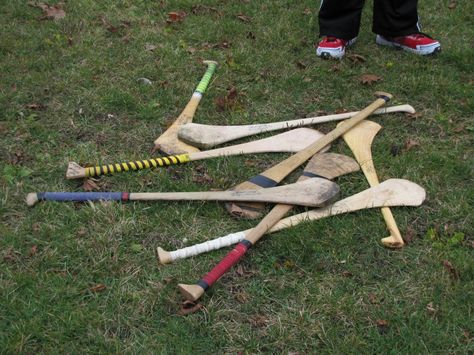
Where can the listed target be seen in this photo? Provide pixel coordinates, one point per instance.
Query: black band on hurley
(263, 181)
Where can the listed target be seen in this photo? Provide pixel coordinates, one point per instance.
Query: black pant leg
(340, 18)
(394, 18)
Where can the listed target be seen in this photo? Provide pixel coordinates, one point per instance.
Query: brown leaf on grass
(98, 288)
(259, 321)
(300, 65)
(242, 297)
(243, 18)
(251, 35)
(369, 79)
(200, 176)
(10, 256)
(81, 232)
(356, 58)
(459, 129)
(36, 227)
(150, 47)
(430, 308)
(89, 185)
(18, 158)
(176, 16)
(33, 251)
(414, 115)
(35, 106)
(54, 12)
(373, 298)
(382, 325)
(229, 101)
(341, 110)
(409, 235)
(307, 11)
(410, 144)
(203, 9)
(452, 4)
(448, 266)
(189, 307)
(346, 273)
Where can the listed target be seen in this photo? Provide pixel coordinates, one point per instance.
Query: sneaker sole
(422, 50)
(336, 53)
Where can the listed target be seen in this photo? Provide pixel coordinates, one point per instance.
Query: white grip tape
(214, 244)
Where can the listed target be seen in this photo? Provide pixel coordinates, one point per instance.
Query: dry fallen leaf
(89, 185)
(35, 106)
(243, 18)
(411, 143)
(176, 16)
(229, 101)
(430, 308)
(98, 288)
(188, 307)
(150, 47)
(259, 321)
(33, 251)
(356, 58)
(414, 115)
(382, 325)
(368, 79)
(448, 266)
(452, 4)
(54, 12)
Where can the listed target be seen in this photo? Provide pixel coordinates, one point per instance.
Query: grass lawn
(79, 278)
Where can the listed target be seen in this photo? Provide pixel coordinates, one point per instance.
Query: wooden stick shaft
(168, 142)
(393, 192)
(291, 141)
(205, 136)
(281, 170)
(312, 192)
(360, 141)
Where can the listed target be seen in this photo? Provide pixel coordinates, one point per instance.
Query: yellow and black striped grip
(136, 165)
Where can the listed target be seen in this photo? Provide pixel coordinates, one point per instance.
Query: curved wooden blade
(206, 136)
(327, 165)
(360, 139)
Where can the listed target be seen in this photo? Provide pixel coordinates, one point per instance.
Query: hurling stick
(311, 192)
(277, 173)
(168, 142)
(193, 292)
(360, 139)
(392, 192)
(291, 141)
(206, 136)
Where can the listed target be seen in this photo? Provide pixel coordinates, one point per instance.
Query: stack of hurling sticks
(314, 188)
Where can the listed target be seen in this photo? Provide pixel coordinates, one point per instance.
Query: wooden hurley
(206, 136)
(168, 142)
(311, 192)
(279, 171)
(278, 211)
(291, 141)
(392, 192)
(360, 139)
(274, 175)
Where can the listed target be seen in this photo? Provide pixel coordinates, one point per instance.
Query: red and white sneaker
(418, 43)
(332, 47)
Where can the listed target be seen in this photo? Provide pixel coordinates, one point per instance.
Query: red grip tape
(229, 260)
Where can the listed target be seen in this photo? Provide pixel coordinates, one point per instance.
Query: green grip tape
(201, 88)
(137, 165)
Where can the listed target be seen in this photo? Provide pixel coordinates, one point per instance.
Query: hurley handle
(194, 292)
(75, 171)
(32, 198)
(165, 257)
(211, 68)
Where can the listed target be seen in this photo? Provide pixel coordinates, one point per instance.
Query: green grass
(319, 287)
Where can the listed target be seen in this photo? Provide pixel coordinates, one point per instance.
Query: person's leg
(340, 18)
(396, 24)
(339, 22)
(395, 18)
